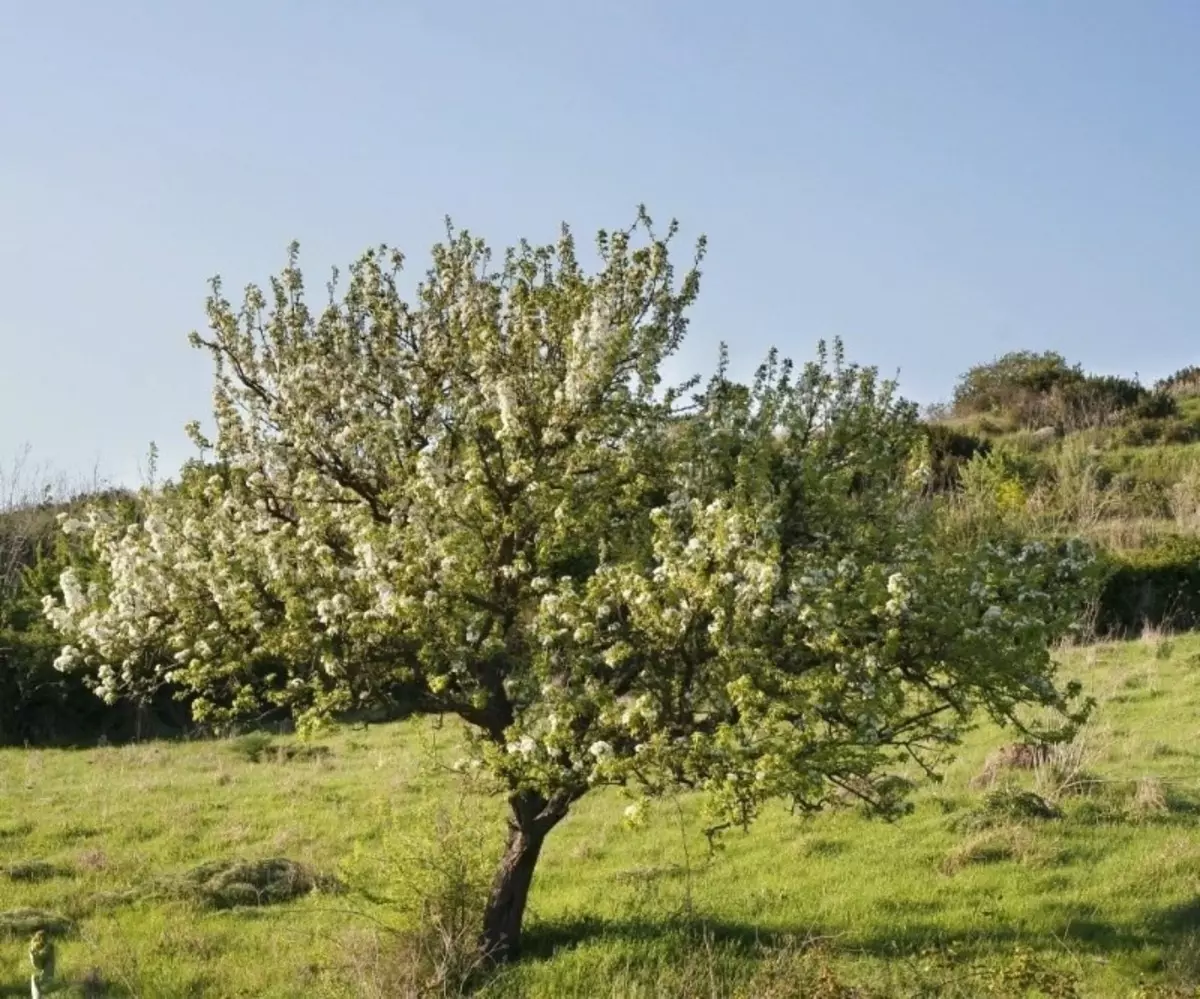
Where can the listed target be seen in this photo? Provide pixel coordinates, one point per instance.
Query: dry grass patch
(992, 846)
(227, 884)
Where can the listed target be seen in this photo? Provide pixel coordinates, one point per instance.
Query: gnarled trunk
(532, 818)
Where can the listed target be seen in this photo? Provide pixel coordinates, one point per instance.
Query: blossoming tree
(488, 495)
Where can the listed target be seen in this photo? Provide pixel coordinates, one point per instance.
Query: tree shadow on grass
(1175, 928)
(65, 988)
(1182, 919)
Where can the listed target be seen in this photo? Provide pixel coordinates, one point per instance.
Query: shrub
(252, 746)
(1159, 586)
(1184, 382)
(1155, 405)
(432, 871)
(1015, 382)
(1044, 390)
(1139, 433)
(1180, 430)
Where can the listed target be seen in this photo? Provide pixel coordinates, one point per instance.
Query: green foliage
(949, 450)
(38, 701)
(1157, 586)
(252, 746)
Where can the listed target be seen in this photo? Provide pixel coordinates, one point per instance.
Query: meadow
(974, 893)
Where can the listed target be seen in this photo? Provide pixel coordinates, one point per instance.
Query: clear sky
(936, 181)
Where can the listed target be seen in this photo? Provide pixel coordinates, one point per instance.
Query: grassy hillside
(971, 895)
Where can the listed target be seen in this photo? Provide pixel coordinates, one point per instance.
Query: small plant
(1064, 770)
(252, 747)
(792, 971)
(1005, 805)
(1025, 974)
(1149, 798)
(989, 847)
(432, 872)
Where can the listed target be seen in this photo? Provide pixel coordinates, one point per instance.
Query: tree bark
(532, 818)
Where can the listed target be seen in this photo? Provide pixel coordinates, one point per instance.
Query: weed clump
(432, 871)
(1018, 756)
(1003, 806)
(257, 747)
(15, 830)
(252, 747)
(992, 846)
(1149, 798)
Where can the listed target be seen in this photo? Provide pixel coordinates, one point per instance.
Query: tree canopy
(489, 496)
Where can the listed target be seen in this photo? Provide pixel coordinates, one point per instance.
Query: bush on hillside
(1043, 390)
(1146, 431)
(1155, 405)
(1013, 382)
(1184, 382)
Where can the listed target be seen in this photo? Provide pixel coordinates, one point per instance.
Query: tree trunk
(532, 818)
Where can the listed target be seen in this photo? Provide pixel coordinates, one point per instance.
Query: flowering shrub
(489, 495)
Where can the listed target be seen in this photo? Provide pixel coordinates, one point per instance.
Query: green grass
(1108, 894)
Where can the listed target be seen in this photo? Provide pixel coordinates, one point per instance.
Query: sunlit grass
(1109, 892)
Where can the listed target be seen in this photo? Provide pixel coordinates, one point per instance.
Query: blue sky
(936, 181)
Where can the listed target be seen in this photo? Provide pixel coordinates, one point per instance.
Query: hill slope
(955, 896)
